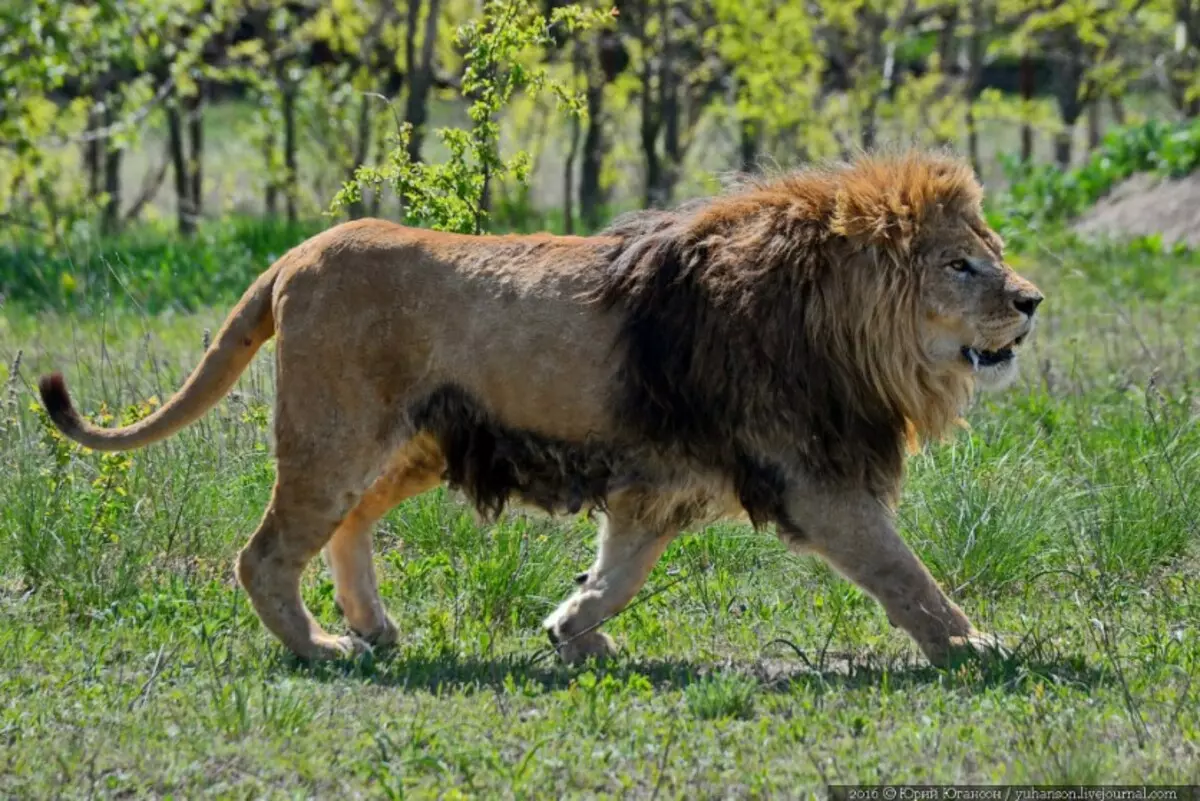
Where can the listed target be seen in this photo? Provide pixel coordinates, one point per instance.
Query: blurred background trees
(185, 110)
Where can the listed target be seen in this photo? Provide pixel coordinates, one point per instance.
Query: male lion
(772, 352)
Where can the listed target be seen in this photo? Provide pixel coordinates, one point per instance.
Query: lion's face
(977, 310)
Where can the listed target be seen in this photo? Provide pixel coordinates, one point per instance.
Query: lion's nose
(1027, 303)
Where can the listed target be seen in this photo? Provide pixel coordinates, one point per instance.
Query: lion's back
(502, 318)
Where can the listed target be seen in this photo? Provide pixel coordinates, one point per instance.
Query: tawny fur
(770, 353)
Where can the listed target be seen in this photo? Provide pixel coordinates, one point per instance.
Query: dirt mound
(1145, 205)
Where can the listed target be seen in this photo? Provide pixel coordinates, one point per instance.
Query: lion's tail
(248, 326)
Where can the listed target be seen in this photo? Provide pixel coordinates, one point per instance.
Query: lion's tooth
(974, 354)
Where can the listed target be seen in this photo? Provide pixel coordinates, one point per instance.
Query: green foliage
(1042, 193)
(451, 195)
(49, 46)
(149, 267)
(725, 695)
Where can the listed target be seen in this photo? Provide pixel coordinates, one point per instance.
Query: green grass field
(131, 665)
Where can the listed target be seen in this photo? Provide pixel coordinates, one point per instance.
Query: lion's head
(822, 317)
(977, 310)
(922, 213)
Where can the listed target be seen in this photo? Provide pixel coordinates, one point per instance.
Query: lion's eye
(960, 266)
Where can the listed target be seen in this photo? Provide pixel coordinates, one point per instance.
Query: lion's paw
(383, 636)
(327, 647)
(974, 646)
(580, 648)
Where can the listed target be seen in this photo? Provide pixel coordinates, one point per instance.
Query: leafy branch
(499, 62)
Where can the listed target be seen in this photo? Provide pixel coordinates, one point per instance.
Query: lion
(772, 354)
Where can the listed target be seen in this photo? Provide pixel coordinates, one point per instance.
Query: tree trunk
(973, 140)
(1118, 109)
(289, 150)
(881, 61)
(1181, 69)
(485, 201)
(1027, 82)
(1070, 106)
(649, 135)
(91, 153)
(271, 194)
(668, 86)
(1094, 130)
(381, 148)
(974, 81)
(1062, 148)
(947, 39)
(361, 151)
(111, 220)
(591, 193)
(579, 67)
(195, 120)
(947, 46)
(178, 158)
(748, 147)
(420, 81)
(569, 178)
(867, 125)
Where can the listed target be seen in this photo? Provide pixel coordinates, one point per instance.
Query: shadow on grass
(432, 673)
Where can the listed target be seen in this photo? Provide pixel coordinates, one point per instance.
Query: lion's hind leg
(325, 462)
(416, 467)
(270, 566)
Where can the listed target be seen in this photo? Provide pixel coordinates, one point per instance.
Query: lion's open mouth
(979, 358)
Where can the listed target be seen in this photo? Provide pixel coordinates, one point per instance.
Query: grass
(1066, 519)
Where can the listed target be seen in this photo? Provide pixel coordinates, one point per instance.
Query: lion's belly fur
(490, 357)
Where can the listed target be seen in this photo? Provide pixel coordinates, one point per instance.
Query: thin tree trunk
(1068, 81)
(649, 133)
(748, 146)
(974, 82)
(289, 150)
(1094, 130)
(1062, 148)
(381, 148)
(1118, 109)
(91, 153)
(1027, 81)
(195, 120)
(485, 202)
(651, 116)
(271, 194)
(416, 111)
(569, 177)
(150, 187)
(112, 180)
(361, 151)
(1071, 110)
(178, 158)
(867, 124)
(1182, 68)
(973, 140)
(668, 86)
(946, 39)
(591, 193)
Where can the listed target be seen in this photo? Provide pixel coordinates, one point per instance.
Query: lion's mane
(779, 323)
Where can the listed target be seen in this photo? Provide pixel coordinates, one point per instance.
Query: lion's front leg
(628, 552)
(855, 533)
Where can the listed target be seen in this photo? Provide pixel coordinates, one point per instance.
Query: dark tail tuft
(58, 402)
